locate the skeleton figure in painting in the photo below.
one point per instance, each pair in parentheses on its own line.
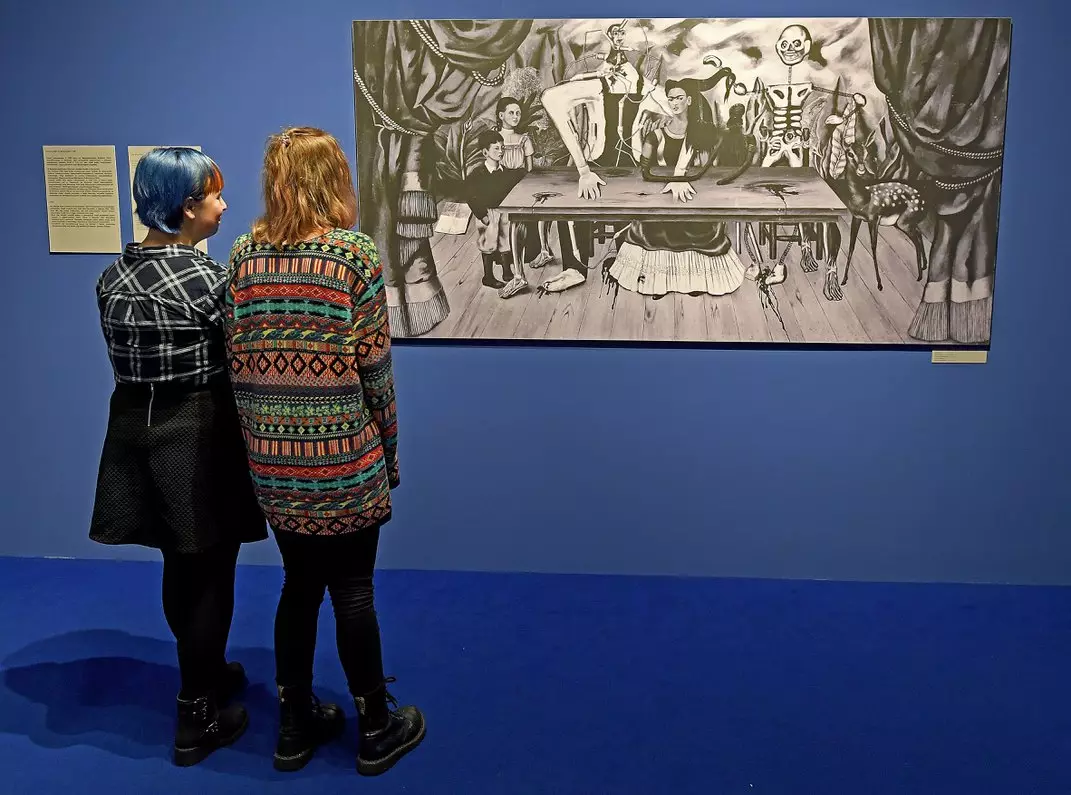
(785,137)
(787,141)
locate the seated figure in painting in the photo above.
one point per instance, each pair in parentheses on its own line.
(611,97)
(676,158)
(623,86)
(694,257)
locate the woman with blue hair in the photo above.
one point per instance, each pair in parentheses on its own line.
(173,474)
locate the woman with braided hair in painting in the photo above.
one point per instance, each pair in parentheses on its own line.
(694,257)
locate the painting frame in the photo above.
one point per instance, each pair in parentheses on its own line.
(748,246)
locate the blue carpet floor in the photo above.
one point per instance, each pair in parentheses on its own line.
(567,684)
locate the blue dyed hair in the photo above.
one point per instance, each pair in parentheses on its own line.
(165,178)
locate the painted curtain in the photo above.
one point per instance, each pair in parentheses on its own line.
(947,115)
(410,77)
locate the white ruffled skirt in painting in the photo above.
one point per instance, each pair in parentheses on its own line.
(662,271)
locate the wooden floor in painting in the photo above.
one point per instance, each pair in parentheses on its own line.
(591,312)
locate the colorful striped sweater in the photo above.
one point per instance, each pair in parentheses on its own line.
(310,359)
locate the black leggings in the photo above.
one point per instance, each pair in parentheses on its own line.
(343,566)
(198,596)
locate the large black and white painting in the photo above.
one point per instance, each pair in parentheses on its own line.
(719,180)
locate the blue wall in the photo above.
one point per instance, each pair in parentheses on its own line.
(769,463)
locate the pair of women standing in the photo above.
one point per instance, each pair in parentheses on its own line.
(301,432)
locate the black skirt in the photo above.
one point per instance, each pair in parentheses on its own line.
(174,474)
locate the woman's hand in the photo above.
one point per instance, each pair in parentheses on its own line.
(682,191)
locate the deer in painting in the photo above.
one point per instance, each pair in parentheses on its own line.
(881,203)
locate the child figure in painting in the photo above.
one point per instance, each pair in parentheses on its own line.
(517,153)
(486,187)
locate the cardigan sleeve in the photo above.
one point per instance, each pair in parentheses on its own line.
(229,290)
(371,330)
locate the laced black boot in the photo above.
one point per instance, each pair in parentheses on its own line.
(304,725)
(203,728)
(386,734)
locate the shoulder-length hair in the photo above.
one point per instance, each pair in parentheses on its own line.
(307,187)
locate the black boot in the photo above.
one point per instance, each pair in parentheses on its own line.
(386,735)
(202,728)
(304,725)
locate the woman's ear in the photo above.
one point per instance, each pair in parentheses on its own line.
(187,208)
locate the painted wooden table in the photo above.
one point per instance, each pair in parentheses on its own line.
(768,196)
(777,195)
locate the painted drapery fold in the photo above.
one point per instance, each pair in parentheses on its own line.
(414,76)
(947,117)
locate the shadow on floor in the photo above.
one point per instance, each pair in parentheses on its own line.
(116,691)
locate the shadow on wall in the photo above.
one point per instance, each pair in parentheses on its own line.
(123,702)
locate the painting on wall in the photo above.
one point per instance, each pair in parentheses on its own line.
(684,180)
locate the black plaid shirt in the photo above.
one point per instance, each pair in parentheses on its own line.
(161,310)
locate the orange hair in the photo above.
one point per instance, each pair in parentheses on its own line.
(307,187)
(213,182)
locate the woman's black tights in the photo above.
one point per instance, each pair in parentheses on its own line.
(344,567)
(198,596)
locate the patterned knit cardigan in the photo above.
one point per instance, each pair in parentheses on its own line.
(310,360)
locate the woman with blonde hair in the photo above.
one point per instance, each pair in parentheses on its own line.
(310,355)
